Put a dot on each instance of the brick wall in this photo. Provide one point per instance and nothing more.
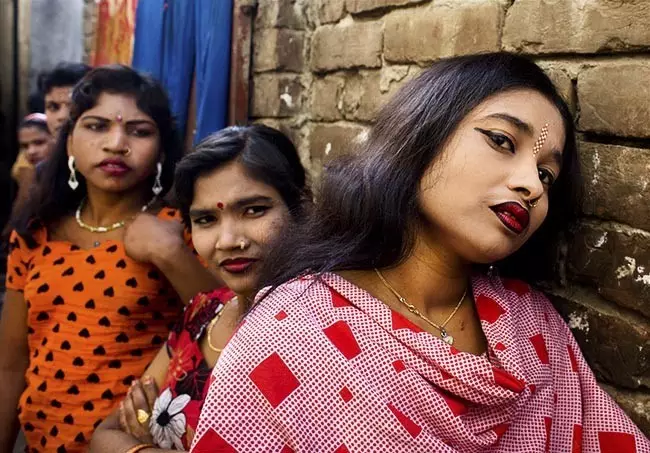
(323, 67)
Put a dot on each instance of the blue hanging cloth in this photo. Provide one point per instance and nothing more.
(213, 31)
(178, 39)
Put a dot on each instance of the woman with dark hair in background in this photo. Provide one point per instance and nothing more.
(94, 281)
(239, 190)
(396, 337)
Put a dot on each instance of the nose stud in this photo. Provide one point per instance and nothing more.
(242, 245)
(532, 204)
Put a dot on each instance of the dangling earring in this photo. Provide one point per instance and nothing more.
(72, 180)
(157, 186)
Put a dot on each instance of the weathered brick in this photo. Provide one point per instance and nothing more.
(616, 260)
(617, 183)
(281, 13)
(276, 95)
(326, 97)
(636, 404)
(296, 133)
(563, 26)
(278, 49)
(562, 81)
(347, 44)
(329, 140)
(359, 6)
(616, 347)
(614, 99)
(366, 91)
(331, 10)
(431, 32)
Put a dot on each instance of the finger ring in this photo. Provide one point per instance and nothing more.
(142, 416)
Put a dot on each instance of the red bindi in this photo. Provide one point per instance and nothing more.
(220, 205)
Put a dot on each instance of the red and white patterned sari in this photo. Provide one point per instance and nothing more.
(323, 366)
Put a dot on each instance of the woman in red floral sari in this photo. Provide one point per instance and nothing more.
(395, 336)
(238, 191)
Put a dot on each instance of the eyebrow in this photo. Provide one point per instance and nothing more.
(237, 204)
(519, 124)
(130, 122)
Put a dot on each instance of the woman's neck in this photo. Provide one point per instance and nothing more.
(103, 208)
(432, 279)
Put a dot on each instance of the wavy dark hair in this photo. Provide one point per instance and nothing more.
(52, 197)
(267, 155)
(366, 213)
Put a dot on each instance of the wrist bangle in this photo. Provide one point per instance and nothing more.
(138, 448)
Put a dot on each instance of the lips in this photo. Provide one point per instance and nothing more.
(114, 167)
(237, 265)
(513, 215)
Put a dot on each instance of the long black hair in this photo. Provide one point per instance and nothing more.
(52, 197)
(267, 155)
(367, 206)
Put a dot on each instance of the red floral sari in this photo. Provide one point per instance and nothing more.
(321, 365)
(177, 408)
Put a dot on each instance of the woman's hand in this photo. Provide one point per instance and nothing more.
(141, 397)
(148, 239)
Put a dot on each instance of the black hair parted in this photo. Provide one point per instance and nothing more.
(265, 153)
(52, 198)
(366, 213)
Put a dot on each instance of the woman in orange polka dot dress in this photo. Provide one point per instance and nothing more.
(98, 266)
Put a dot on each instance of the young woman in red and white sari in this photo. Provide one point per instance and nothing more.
(387, 331)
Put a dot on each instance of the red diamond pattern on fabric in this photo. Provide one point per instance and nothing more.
(343, 339)
(612, 442)
(507, 381)
(540, 348)
(210, 442)
(500, 347)
(456, 406)
(409, 425)
(444, 374)
(500, 430)
(274, 379)
(572, 358)
(400, 322)
(342, 449)
(488, 309)
(338, 300)
(576, 443)
(346, 394)
(287, 449)
(517, 286)
(281, 315)
(548, 421)
(399, 366)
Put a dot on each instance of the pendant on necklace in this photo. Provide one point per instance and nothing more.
(446, 337)
(96, 244)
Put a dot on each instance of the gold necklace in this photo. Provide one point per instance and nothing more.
(212, 324)
(443, 332)
(105, 229)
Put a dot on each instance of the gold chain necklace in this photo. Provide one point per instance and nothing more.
(212, 324)
(105, 229)
(443, 332)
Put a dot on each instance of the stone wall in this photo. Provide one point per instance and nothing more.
(323, 67)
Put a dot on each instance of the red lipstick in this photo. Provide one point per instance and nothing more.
(114, 167)
(237, 265)
(513, 215)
